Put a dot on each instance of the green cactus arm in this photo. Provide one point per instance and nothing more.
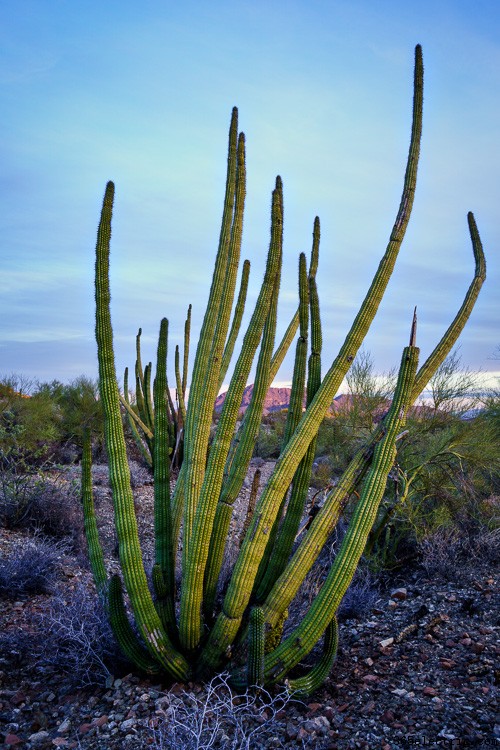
(299, 370)
(266, 305)
(245, 570)
(264, 316)
(294, 415)
(187, 338)
(134, 575)
(307, 634)
(309, 683)
(212, 337)
(291, 522)
(178, 382)
(162, 511)
(124, 633)
(456, 327)
(324, 523)
(134, 418)
(139, 371)
(289, 334)
(256, 640)
(148, 402)
(96, 556)
(236, 323)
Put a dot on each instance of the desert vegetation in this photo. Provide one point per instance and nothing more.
(247, 573)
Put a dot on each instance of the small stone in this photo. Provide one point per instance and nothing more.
(386, 642)
(370, 678)
(100, 721)
(12, 739)
(369, 662)
(399, 692)
(84, 728)
(392, 604)
(429, 691)
(127, 724)
(64, 727)
(39, 737)
(400, 594)
(60, 742)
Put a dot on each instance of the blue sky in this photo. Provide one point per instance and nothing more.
(141, 93)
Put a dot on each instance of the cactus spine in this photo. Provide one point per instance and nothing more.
(267, 573)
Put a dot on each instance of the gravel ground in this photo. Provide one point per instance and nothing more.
(419, 669)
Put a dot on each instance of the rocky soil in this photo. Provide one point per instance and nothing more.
(419, 669)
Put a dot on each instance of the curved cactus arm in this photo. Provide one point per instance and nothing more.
(264, 316)
(147, 619)
(212, 338)
(96, 556)
(289, 334)
(304, 686)
(256, 640)
(454, 330)
(162, 512)
(245, 570)
(236, 323)
(307, 634)
(127, 640)
(291, 522)
(323, 524)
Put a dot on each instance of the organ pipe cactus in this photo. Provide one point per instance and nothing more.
(196, 623)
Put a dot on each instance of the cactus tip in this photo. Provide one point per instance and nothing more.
(413, 334)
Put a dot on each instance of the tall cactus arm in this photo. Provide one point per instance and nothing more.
(245, 570)
(187, 338)
(323, 524)
(289, 334)
(162, 512)
(135, 579)
(192, 591)
(256, 641)
(96, 556)
(124, 633)
(212, 336)
(291, 522)
(148, 402)
(236, 323)
(134, 420)
(294, 412)
(451, 335)
(304, 686)
(178, 382)
(242, 447)
(324, 607)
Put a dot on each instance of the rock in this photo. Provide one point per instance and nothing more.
(127, 724)
(429, 691)
(64, 727)
(39, 737)
(387, 642)
(12, 739)
(399, 594)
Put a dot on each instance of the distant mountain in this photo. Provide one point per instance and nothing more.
(275, 400)
(279, 398)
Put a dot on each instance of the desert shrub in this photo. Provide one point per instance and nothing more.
(73, 636)
(444, 481)
(37, 501)
(217, 718)
(270, 437)
(31, 567)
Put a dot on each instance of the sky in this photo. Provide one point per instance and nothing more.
(141, 94)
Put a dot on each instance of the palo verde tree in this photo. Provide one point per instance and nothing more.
(191, 629)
